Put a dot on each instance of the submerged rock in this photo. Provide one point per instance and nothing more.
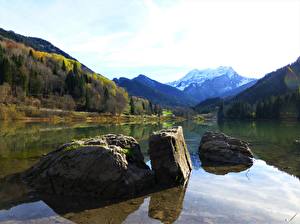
(170, 159)
(219, 148)
(111, 166)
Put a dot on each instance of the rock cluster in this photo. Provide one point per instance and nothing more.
(170, 158)
(110, 166)
(219, 148)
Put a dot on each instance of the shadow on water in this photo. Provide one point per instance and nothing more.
(165, 205)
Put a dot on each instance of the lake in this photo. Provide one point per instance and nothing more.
(267, 192)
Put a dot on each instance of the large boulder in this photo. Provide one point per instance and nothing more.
(218, 148)
(170, 159)
(108, 167)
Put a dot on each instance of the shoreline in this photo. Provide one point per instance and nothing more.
(33, 114)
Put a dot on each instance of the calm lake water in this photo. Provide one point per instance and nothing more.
(267, 192)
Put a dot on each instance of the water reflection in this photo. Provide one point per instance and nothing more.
(22, 144)
(260, 194)
(31, 213)
(12, 192)
(222, 170)
(166, 205)
(273, 142)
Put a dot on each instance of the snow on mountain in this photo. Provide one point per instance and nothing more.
(199, 76)
(207, 83)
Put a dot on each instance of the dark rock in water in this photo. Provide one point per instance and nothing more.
(108, 167)
(169, 156)
(218, 148)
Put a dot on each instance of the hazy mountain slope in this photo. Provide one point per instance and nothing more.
(208, 105)
(236, 91)
(281, 81)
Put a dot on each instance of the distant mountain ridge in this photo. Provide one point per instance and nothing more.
(157, 92)
(210, 83)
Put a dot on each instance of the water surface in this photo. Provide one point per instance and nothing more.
(267, 192)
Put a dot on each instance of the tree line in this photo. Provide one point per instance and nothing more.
(274, 107)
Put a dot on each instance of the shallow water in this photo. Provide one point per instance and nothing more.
(267, 192)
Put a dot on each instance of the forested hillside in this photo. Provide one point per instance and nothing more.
(276, 96)
(34, 42)
(51, 80)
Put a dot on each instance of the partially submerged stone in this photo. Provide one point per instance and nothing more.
(218, 148)
(109, 167)
(170, 158)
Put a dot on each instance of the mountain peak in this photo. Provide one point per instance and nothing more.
(141, 76)
(211, 82)
(197, 76)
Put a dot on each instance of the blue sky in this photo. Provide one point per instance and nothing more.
(163, 39)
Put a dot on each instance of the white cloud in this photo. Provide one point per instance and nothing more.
(132, 37)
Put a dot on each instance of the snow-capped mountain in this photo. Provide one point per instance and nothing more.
(220, 82)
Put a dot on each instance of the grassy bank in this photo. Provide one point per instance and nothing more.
(32, 114)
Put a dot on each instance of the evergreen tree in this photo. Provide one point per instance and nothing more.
(7, 71)
(132, 109)
(75, 68)
(63, 67)
(221, 112)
